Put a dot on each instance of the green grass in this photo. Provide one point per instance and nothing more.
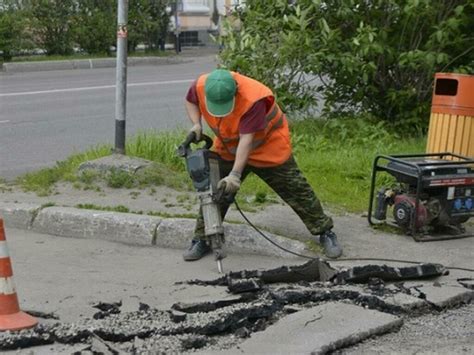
(336, 157)
(159, 147)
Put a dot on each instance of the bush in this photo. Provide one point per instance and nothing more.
(148, 23)
(53, 25)
(95, 25)
(377, 57)
(13, 36)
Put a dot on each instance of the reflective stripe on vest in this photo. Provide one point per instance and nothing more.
(258, 142)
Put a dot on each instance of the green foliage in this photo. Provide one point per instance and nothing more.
(58, 26)
(52, 25)
(13, 36)
(91, 206)
(147, 23)
(94, 25)
(377, 57)
(118, 178)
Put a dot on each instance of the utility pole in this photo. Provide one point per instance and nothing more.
(177, 7)
(121, 77)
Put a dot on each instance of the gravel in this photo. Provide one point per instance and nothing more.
(448, 332)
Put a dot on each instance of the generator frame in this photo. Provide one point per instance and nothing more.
(418, 168)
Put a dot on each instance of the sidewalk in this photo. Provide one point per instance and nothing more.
(171, 213)
(184, 57)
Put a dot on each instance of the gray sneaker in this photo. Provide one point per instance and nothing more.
(197, 250)
(328, 241)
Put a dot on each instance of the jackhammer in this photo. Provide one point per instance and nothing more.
(204, 169)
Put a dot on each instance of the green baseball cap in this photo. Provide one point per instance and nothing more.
(220, 88)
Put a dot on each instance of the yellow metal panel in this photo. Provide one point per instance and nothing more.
(468, 139)
(443, 142)
(452, 124)
(432, 132)
(458, 137)
(437, 136)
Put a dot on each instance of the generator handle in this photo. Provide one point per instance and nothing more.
(183, 148)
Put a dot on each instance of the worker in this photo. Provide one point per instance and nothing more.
(252, 135)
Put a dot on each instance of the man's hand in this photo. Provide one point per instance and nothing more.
(197, 128)
(231, 183)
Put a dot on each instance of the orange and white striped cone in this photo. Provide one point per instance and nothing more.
(11, 317)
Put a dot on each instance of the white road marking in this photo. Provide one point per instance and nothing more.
(86, 88)
(5, 121)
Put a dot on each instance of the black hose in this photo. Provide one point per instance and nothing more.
(332, 260)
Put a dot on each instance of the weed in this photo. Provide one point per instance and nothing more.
(90, 206)
(48, 204)
(88, 176)
(260, 197)
(117, 178)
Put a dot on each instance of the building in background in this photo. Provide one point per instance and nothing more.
(198, 19)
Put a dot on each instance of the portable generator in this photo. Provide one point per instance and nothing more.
(432, 197)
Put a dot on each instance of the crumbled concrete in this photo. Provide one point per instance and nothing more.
(318, 330)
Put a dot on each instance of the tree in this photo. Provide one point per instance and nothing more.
(156, 24)
(148, 23)
(94, 25)
(13, 25)
(373, 56)
(52, 20)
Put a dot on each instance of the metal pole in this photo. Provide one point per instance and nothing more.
(121, 77)
(177, 45)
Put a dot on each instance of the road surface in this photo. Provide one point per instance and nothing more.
(46, 116)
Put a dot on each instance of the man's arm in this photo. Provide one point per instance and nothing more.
(194, 115)
(243, 152)
(232, 181)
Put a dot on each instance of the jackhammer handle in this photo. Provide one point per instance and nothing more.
(191, 138)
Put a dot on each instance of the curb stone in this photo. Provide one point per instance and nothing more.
(19, 215)
(22, 67)
(134, 229)
(125, 228)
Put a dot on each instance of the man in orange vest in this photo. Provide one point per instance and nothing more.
(252, 135)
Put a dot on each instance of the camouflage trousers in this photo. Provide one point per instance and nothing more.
(290, 184)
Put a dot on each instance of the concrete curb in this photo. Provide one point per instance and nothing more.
(23, 67)
(135, 229)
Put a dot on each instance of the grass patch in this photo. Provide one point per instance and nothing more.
(159, 147)
(90, 206)
(336, 157)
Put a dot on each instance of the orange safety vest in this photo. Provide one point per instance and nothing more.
(271, 146)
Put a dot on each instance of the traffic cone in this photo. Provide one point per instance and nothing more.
(11, 318)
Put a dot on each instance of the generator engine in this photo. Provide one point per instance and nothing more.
(430, 195)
